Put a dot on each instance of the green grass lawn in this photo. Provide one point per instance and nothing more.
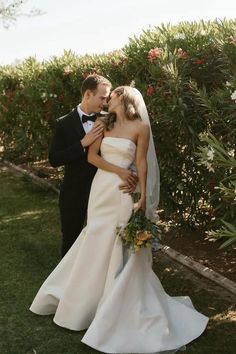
(29, 250)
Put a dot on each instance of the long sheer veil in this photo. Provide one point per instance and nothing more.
(153, 173)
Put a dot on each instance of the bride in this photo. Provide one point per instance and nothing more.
(99, 285)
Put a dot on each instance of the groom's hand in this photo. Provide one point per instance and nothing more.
(129, 188)
(95, 132)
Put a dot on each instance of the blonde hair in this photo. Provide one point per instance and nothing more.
(130, 106)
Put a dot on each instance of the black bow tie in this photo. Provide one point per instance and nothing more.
(86, 118)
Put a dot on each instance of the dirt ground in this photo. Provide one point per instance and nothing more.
(164, 265)
(197, 247)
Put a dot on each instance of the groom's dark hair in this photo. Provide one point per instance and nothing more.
(92, 81)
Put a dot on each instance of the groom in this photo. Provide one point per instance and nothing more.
(73, 134)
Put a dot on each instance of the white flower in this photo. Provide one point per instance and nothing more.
(210, 154)
(209, 167)
(55, 95)
(228, 84)
(179, 36)
(233, 96)
(43, 95)
(231, 153)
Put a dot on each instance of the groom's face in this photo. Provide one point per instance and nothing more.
(98, 99)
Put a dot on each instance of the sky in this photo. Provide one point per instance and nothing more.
(97, 26)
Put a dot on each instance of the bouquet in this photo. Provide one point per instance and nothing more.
(140, 232)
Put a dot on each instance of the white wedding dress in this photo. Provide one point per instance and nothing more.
(111, 292)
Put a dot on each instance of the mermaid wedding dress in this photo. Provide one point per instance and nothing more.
(111, 292)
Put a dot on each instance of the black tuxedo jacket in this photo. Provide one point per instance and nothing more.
(66, 149)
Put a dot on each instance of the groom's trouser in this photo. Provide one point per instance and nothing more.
(72, 223)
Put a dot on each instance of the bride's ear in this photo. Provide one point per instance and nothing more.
(130, 110)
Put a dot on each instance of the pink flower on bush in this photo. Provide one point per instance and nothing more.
(231, 39)
(181, 53)
(150, 90)
(200, 61)
(154, 53)
(67, 71)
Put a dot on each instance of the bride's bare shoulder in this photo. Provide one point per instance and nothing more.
(143, 126)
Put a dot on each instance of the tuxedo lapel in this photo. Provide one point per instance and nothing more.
(77, 123)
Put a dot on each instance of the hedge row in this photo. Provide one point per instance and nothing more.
(187, 76)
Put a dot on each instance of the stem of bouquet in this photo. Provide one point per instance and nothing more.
(135, 196)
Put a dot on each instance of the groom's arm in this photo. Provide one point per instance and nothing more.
(60, 153)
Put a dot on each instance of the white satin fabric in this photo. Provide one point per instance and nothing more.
(113, 293)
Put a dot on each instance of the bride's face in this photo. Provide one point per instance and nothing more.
(114, 102)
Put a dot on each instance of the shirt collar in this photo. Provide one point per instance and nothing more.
(81, 112)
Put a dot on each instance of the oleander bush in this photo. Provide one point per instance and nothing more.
(215, 156)
(187, 75)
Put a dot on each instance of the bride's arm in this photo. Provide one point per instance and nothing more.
(95, 159)
(141, 162)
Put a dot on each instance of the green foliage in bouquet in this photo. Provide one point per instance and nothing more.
(140, 232)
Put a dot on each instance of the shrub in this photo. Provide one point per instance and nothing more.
(181, 70)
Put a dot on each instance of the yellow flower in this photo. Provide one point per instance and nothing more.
(139, 243)
(143, 235)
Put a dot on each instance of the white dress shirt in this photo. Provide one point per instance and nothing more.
(87, 125)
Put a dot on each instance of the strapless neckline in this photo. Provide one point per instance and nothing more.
(115, 137)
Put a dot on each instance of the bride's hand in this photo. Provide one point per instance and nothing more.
(141, 204)
(128, 177)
